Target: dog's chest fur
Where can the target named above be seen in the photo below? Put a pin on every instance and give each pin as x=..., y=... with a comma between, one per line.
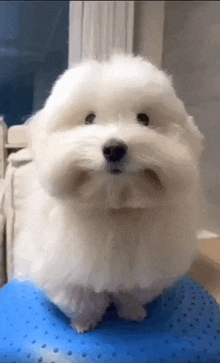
x=107, y=250
x=121, y=248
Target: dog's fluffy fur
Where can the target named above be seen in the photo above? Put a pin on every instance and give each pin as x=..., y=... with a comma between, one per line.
x=93, y=236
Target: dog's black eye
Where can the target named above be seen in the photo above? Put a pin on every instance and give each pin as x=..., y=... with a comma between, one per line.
x=90, y=119
x=143, y=118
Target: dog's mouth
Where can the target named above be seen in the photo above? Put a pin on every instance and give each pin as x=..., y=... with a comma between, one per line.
x=115, y=171
x=148, y=173
x=115, y=168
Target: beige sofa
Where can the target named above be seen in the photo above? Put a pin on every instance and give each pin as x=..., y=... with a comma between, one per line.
x=17, y=178
x=15, y=169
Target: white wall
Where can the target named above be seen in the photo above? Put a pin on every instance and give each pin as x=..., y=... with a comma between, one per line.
x=192, y=55
x=148, y=29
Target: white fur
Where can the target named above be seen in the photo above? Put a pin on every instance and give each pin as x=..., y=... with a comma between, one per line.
x=92, y=237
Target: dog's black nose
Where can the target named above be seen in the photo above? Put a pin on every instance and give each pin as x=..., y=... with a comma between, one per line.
x=114, y=150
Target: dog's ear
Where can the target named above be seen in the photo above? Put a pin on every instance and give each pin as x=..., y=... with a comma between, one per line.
x=196, y=138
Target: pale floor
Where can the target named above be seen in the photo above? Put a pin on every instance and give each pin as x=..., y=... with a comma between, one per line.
x=206, y=269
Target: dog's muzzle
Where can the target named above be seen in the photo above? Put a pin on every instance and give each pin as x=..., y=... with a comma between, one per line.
x=114, y=152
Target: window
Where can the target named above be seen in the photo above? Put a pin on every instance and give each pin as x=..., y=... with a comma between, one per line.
x=33, y=52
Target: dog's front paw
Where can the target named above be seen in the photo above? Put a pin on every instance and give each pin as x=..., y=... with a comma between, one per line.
x=89, y=311
x=83, y=324
x=137, y=313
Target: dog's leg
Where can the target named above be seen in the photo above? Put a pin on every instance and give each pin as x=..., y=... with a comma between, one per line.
x=83, y=306
x=90, y=307
x=128, y=307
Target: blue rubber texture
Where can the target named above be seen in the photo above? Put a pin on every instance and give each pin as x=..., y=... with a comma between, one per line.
x=183, y=326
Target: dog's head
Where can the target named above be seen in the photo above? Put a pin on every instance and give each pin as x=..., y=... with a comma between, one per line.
x=115, y=134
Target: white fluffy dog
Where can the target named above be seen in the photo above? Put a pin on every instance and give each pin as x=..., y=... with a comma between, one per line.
x=113, y=208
